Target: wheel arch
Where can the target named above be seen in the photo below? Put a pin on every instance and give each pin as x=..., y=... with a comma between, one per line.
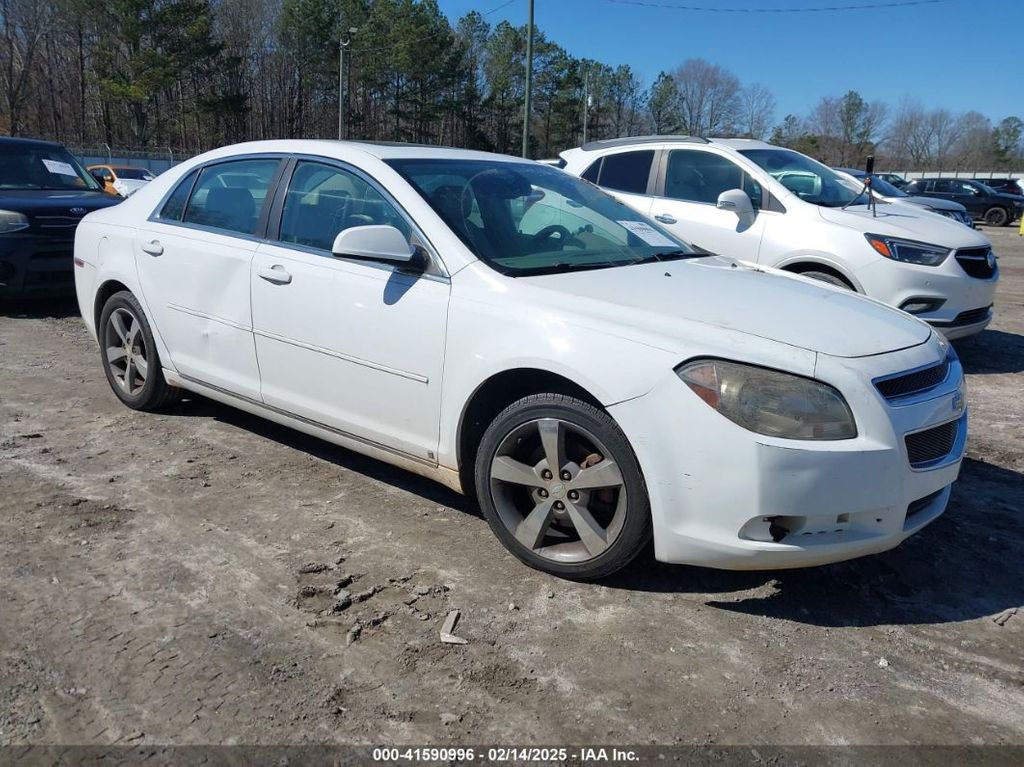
x=801, y=264
x=493, y=395
x=103, y=293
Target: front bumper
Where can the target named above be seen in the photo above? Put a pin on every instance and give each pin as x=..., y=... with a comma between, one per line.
x=965, y=302
x=718, y=492
x=34, y=265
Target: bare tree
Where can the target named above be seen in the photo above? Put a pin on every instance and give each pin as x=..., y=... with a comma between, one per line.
x=24, y=25
x=709, y=98
x=757, y=111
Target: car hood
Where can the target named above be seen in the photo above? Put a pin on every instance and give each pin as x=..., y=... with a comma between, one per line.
x=904, y=221
x=54, y=201
x=673, y=298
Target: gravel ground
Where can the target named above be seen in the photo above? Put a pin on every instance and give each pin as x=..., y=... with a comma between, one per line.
x=165, y=579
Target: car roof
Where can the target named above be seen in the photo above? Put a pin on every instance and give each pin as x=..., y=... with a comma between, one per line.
x=29, y=141
x=380, y=150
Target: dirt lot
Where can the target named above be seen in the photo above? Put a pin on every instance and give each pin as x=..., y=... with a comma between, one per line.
x=163, y=575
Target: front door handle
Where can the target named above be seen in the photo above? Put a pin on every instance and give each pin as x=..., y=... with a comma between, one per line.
x=153, y=247
x=665, y=218
x=275, y=274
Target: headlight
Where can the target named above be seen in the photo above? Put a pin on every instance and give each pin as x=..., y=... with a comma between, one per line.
x=10, y=221
x=769, y=402
x=908, y=251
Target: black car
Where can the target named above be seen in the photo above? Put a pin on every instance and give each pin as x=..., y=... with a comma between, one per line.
x=982, y=201
x=1007, y=185
x=44, y=192
x=896, y=180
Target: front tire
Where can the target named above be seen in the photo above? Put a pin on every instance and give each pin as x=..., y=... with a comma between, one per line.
x=561, y=488
x=996, y=216
x=129, y=356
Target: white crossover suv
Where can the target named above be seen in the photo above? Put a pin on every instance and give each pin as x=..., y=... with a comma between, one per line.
x=779, y=208
x=520, y=335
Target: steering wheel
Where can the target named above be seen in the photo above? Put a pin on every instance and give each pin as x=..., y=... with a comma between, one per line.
x=564, y=235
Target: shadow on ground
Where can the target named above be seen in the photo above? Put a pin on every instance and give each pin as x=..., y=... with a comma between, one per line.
x=967, y=564
x=39, y=308
x=992, y=351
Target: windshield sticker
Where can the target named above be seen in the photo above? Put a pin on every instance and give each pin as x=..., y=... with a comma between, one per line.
x=648, y=234
x=62, y=168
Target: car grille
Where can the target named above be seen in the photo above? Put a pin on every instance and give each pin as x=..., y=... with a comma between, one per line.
x=975, y=261
x=971, y=316
x=914, y=382
x=926, y=447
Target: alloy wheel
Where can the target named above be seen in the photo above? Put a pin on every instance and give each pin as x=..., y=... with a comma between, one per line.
x=557, y=489
x=126, y=352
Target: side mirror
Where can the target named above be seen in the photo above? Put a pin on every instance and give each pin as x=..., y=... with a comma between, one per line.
x=737, y=201
x=374, y=243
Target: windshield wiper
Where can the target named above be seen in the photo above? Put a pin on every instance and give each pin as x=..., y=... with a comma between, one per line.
x=671, y=255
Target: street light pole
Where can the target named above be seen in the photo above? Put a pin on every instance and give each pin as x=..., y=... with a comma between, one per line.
x=342, y=45
x=529, y=82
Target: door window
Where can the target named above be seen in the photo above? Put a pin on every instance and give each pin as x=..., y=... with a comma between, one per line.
x=323, y=200
x=696, y=176
x=230, y=195
x=945, y=187
x=174, y=206
x=626, y=172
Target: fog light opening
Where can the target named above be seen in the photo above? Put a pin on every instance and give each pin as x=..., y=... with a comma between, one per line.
x=921, y=305
x=776, y=530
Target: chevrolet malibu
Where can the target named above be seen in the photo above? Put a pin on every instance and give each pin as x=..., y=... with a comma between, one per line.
x=521, y=336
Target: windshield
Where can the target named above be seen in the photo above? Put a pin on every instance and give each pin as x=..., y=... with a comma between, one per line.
x=135, y=174
x=527, y=218
x=28, y=166
x=886, y=189
x=806, y=178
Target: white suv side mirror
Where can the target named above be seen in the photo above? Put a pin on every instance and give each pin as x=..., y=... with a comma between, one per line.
x=737, y=201
x=373, y=243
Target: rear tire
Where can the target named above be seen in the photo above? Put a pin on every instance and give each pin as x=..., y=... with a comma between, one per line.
x=130, y=359
x=585, y=519
x=996, y=216
x=831, y=279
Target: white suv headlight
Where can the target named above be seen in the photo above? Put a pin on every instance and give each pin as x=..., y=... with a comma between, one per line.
x=770, y=402
x=11, y=221
x=908, y=251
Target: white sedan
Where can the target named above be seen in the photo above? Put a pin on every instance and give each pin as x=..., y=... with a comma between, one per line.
x=519, y=335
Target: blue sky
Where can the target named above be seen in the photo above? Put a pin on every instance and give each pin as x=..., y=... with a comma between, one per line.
x=803, y=56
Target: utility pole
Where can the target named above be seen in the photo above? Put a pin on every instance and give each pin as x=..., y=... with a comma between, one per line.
x=586, y=100
x=342, y=45
x=529, y=82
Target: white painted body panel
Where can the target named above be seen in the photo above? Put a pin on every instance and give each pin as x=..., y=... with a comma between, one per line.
x=385, y=363
x=810, y=234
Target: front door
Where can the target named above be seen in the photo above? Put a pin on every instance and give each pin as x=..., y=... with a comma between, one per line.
x=354, y=345
x=193, y=260
x=687, y=203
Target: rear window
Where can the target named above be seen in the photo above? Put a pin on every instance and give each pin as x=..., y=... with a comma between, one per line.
x=627, y=172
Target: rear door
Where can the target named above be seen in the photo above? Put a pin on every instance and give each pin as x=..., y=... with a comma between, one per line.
x=193, y=258
x=629, y=176
x=687, y=203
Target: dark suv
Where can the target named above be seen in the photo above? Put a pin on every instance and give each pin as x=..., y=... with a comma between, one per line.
x=1007, y=185
x=44, y=192
x=982, y=201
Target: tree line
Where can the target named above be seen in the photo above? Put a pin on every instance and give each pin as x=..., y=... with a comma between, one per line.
x=183, y=76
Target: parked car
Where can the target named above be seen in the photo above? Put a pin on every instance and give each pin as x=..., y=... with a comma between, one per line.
x=1007, y=185
x=781, y=209
x=886, y=191
x=121, y=180
x=519, y=335
x=44, y=192
x=982, y=201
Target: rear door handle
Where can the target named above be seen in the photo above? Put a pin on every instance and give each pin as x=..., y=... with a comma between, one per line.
x=665, y=218
x=275, y=274
x=154, y=248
